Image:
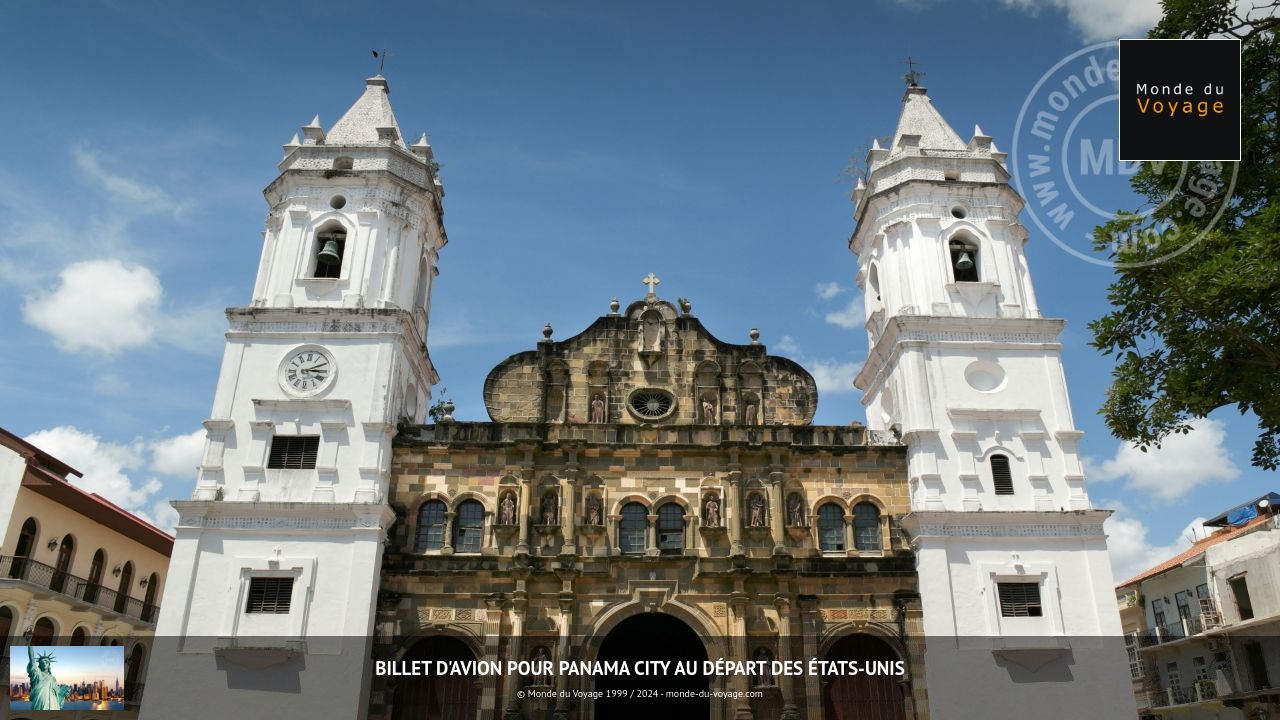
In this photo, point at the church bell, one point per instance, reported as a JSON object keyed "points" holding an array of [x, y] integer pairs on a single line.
{"points": [[964, 262], [329, 254]]}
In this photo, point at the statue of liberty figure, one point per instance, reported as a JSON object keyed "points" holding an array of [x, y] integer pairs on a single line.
{"points": [[46, 693]]}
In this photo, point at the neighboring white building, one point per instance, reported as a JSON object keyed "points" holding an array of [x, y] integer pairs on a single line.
{"points": [[1015, 580], [270, 603], [1209, 648]]}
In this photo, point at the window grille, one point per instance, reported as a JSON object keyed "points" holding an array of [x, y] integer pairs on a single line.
{"points": [[269, 595], [468, 527], [1001, 477], [294, 452], [633, 528], [866, 526], [831, 528], [1019, 599], [671, 529], [430, 526]]}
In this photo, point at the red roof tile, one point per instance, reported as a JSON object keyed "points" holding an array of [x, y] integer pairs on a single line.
{"points": [[1196, 550]]}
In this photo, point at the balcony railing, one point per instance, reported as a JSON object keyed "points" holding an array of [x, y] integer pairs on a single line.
{"points": [[1200, 691], [77, 588], [1181, 628]]}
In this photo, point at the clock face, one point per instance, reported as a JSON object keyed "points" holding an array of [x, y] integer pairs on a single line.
{"points": [[307, 371]]}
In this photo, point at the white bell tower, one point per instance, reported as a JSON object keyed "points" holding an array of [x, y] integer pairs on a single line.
{"points": [[1015, 580], [275, 569]]}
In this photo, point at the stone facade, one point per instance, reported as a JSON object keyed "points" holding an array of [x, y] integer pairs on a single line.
{"points": [[556, 566]]}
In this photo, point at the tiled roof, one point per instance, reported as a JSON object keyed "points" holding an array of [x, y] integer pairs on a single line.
{"points": [[1196, 550], [359, 125]]}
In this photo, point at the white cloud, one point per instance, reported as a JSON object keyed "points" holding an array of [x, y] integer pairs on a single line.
{"points": [[1180, 464], [828, 290], [106, 466], [787, 345], [833, 377], [119, 471], [850, 317], [178, 455], [1098, 20], [1132, 552], [100, 305], [149, 198], [1094, 20]]}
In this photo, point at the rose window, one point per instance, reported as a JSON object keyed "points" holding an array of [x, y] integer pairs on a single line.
{"points": [[651, 404]]}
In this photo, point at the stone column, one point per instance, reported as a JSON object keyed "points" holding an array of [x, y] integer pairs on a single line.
{"points": [[652, 549], [786, 683], [809, 629], [849, 548], [511, 681], [730, 512], [569, 511], [777, 517], [741, 683], [446, 542], [562, 704], [522, 548]]}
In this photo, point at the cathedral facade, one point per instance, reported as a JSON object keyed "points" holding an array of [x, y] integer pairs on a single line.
{"points": [[643, 491]]}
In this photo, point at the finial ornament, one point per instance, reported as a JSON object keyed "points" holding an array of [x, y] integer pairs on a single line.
{"points": [[913, 75], [755, 336], [613, 306], [651, 280], [546, 332]]}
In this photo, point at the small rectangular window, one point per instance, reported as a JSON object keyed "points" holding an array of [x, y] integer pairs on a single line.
{"points": [[269, 595], [294, 452], [1001, 477], [1019, 599]]}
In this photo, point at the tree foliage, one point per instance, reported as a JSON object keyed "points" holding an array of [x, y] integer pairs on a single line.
{"points": [[1200, 330]]}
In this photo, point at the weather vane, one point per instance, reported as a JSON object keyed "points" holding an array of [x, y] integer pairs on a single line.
{"points": [[381, 57], [913, 75]]}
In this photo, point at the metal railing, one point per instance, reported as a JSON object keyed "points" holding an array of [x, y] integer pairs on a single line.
{"points": [[78, 588], [1200, 691], [1181, 628]]}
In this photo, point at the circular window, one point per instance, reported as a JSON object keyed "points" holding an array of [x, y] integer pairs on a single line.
{"points": [[985, 376], [959, 212], [651, 404], [337, 202]]}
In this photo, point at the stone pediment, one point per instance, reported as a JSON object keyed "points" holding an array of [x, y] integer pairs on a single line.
{"points": [[651, 364]]}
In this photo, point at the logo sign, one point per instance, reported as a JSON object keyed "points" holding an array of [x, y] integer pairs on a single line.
{"points": [[1066, 162], [1180, 100]]}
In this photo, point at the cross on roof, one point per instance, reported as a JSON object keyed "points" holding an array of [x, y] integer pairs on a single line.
{"points": [[651, 280], [913, 76]]}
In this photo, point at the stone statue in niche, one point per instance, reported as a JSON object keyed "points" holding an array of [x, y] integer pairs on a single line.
{"points": [[540, 662], [654, 333], [749, 412], [795, 508], [549, 514], [594, 510], [708, 412], [507, 510], [597, 409], [711, 513], [756, 516], [764, 662]]}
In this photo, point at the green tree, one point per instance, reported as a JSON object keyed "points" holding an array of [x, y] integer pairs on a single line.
{"points": [[1200, 330]]}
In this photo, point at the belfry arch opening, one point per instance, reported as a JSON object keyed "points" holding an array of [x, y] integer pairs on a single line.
{"points": [[652, 636], [436, 697], [865, 696]]}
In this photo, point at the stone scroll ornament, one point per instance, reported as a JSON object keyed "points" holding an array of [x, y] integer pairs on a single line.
{"points": [[46, 693]]}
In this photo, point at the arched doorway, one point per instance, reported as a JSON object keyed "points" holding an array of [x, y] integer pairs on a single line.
{"points": [[42, 632], [122, 595], [652, 636], [6, 627], [22, 551], [62, 566], [863, 696], [95, 576], [436, 697]]}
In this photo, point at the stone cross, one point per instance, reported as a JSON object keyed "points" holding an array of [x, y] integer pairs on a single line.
{"points": [[651, 280]]}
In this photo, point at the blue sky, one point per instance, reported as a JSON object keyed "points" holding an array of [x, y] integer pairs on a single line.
{"points": [[582, 146]]}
